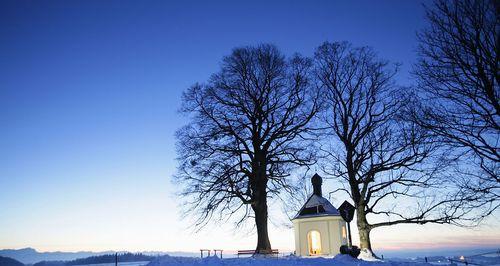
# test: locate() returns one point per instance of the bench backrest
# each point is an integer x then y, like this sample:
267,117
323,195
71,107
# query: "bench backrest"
273,251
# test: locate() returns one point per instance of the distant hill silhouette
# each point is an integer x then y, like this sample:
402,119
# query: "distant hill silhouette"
109,258
50,263
31,256
5,261
126,257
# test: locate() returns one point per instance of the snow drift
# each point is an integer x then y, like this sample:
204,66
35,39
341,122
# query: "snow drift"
339,260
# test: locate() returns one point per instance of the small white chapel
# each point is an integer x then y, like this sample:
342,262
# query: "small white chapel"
319,228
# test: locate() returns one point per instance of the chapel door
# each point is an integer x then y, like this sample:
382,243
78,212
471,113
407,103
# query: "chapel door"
314,243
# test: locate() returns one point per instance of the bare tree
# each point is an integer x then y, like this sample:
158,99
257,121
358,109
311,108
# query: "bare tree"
248,131
385,160
458,77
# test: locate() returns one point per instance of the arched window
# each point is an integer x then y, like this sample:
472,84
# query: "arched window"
314,242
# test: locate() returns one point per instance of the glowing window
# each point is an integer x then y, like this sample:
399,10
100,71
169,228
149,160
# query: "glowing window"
314,241
344,232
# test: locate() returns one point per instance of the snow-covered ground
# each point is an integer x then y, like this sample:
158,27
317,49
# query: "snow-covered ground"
339,260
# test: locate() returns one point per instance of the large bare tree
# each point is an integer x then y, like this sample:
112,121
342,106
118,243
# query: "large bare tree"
458,76
248,130
385,160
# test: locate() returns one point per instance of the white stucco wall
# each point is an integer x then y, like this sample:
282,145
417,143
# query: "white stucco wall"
330,229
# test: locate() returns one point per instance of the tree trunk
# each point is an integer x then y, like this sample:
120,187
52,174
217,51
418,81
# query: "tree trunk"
260,210
363,229
364,238
259,206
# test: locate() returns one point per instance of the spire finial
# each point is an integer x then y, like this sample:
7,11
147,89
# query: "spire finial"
316,181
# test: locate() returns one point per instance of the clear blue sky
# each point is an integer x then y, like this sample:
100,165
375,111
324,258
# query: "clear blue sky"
88,97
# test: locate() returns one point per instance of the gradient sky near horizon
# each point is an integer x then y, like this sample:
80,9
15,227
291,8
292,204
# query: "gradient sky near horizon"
89,92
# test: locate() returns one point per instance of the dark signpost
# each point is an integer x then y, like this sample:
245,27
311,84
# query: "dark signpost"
347,212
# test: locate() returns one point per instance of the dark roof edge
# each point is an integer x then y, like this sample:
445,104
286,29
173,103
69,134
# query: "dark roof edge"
315,215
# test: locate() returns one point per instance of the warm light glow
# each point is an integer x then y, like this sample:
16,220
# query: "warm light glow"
344,232
314,240
462,257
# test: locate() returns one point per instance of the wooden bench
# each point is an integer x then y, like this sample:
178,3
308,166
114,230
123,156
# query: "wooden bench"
253,252
207,251
218,250
203,251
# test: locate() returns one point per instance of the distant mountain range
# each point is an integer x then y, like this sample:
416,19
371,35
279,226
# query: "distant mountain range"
4,261
31,256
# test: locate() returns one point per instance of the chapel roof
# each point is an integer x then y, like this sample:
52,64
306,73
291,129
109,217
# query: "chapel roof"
316,205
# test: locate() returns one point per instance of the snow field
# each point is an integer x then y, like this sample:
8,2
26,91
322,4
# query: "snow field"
339,260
